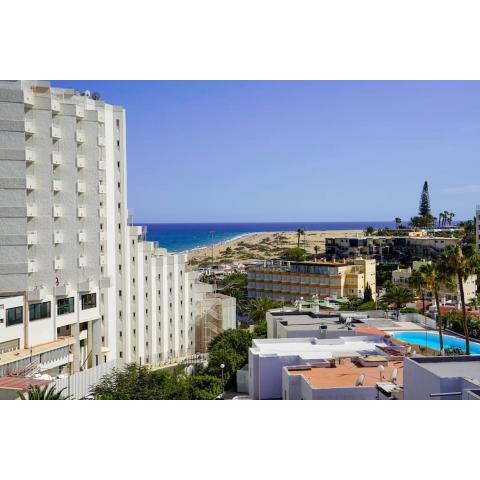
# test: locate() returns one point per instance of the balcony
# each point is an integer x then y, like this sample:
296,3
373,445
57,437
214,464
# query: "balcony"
82,260
32,266
80,161
56,186
29,127
56,132
101,141
58,263
62,290
32,238
79,112
81,211
57,237
102,213
37,294
56,159
29,155
57,211
101,165
30,183
82,236
31,211
80,137
28,98
55,106
101,188
81,187
100,116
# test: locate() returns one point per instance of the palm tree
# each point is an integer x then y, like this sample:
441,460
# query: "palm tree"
316,248
258,308
450,218
440,219
434,278
47,392
398,296
300,232
458,264
418,284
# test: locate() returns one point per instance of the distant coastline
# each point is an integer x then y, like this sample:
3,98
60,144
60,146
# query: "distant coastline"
187,237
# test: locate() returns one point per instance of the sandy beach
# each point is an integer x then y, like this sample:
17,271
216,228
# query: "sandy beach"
265,245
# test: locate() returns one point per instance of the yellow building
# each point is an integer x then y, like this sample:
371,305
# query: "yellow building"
401,277
288,281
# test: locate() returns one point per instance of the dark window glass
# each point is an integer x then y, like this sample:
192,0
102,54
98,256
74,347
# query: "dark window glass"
37,311
89,300
65,305
14,316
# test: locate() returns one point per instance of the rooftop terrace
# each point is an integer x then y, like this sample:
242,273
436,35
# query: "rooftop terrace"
346,374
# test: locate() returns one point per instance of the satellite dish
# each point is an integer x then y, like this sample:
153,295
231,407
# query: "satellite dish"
360,379
87,93
381,369
393,375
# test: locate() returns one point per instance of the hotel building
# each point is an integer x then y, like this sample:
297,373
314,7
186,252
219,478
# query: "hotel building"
387,248
79,286
288,281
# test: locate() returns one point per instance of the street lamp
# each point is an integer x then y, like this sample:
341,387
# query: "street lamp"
222,366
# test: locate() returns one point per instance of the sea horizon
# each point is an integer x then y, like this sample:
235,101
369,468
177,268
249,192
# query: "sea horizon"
183,237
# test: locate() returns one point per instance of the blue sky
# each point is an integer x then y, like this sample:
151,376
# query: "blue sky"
297,151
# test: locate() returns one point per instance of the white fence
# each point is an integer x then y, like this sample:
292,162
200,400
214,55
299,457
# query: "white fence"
420,319
79,384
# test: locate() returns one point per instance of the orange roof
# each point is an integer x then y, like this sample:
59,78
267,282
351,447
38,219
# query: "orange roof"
370,331
345,375
21,383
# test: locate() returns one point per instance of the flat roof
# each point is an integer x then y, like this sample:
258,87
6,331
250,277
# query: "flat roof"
310,348
21,383
455,366
346,374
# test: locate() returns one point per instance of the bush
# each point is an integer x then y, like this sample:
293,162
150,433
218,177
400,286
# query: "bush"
294,254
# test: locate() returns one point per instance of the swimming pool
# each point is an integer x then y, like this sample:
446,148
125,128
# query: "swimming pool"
432,340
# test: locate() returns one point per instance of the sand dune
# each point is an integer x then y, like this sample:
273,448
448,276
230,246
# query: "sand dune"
264,245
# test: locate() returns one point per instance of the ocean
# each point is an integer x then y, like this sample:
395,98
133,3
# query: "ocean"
180,237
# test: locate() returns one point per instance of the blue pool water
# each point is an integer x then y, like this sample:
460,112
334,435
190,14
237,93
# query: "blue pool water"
430,339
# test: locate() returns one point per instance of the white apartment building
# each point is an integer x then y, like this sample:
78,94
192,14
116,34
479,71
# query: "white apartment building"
79,286
62,215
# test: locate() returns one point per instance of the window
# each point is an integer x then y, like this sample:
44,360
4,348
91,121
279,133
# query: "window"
14,316
65,305
37,311
89,300
118,143
121,355
119,293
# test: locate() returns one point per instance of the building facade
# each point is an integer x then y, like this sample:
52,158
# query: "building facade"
62,189
401,277
79,285
288,281
387,248
477,228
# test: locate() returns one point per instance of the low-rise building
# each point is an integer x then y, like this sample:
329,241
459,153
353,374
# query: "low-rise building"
401,277
267,357
477,227
378,378
288,281
442,378
387,248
